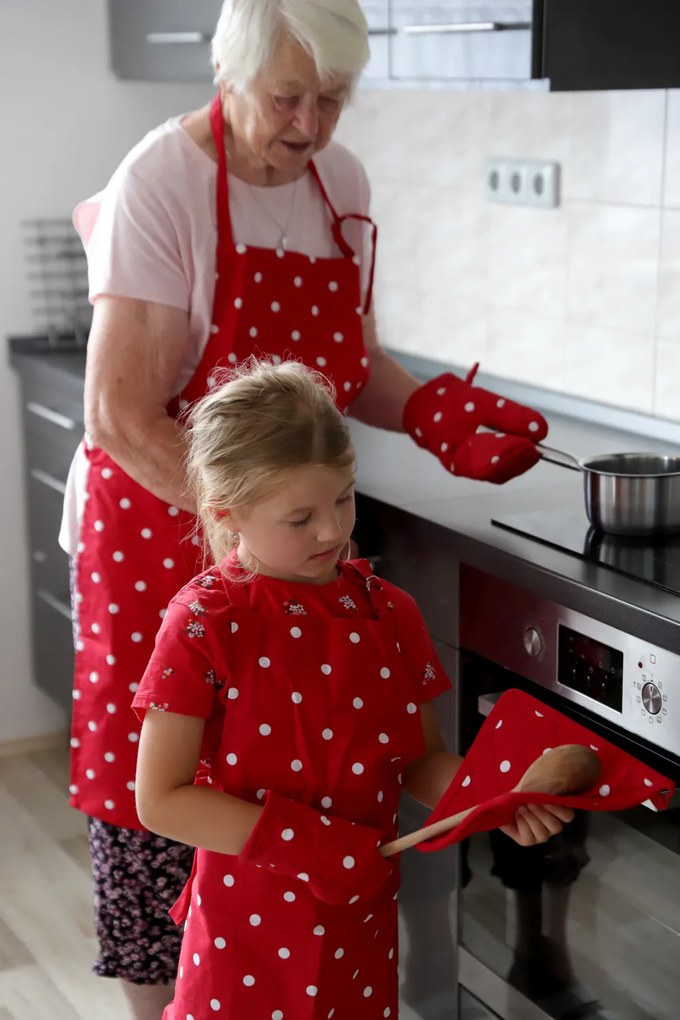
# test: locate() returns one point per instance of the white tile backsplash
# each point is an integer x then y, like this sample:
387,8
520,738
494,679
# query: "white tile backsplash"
584,298
529,125
613,264
451,246
528,276
525,347
610,366
668,313
616,147
667,390
671,195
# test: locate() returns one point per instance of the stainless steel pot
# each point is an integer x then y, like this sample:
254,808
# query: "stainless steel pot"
627,493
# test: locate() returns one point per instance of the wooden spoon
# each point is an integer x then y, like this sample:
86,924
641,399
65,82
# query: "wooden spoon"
567,769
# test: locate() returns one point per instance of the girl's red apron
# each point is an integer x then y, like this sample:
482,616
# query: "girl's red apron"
136,551
344,727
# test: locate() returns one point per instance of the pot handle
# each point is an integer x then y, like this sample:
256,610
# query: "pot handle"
559,457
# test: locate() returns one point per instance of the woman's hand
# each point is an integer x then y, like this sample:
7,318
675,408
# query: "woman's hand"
444,414
536,823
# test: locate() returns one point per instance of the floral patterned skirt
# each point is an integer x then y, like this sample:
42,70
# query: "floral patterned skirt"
137,878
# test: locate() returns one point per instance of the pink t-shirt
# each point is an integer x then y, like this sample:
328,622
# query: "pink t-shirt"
151,234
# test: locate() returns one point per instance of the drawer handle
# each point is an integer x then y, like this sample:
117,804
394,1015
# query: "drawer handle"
49,480
458,28
54,603
62,420
173,38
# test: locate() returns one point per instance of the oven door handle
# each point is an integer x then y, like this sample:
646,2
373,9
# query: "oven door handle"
485,703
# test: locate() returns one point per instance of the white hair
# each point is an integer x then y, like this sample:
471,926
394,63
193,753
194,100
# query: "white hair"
333,32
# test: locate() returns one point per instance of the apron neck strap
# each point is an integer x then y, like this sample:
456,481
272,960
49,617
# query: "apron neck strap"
338,237
225,233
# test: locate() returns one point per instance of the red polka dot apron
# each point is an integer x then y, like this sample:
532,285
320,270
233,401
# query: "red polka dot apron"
322,710
135,550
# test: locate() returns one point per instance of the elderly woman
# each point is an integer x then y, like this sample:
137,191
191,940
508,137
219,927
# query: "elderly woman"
238,229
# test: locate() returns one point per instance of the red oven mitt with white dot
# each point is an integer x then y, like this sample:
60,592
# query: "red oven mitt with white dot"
517,731
339,860
443,416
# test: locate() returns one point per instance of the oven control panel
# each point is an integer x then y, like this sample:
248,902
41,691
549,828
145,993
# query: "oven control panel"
623,679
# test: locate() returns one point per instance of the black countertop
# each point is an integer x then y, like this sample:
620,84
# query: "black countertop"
63,356
393,470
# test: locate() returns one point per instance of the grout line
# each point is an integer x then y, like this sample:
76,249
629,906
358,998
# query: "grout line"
659,255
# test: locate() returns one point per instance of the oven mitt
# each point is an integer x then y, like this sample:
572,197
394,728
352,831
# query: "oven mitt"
443,416
518,730
339,859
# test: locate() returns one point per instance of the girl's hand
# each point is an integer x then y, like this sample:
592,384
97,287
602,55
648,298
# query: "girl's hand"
536,823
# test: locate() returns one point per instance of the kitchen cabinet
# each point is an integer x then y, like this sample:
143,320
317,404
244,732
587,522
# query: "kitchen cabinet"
169,40
563,45
608,44
377,14
570,45
52,426
458,41
162,40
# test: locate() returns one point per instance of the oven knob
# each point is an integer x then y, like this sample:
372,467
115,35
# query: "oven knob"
533,642
651,698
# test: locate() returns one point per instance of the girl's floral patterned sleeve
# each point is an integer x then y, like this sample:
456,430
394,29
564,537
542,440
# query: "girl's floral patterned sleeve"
184,672
417,648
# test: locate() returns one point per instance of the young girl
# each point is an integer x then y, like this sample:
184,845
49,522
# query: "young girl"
286,703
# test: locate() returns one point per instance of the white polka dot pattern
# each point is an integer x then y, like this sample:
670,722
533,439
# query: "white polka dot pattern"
335,690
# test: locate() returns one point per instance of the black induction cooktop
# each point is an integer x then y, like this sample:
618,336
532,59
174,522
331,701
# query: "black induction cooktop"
567,528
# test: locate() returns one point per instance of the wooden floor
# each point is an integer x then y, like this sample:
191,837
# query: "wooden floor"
46,940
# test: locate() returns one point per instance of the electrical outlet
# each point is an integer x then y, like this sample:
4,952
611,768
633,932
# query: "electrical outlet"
532,182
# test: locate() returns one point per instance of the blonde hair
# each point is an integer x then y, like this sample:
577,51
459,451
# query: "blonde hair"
333,32
246,434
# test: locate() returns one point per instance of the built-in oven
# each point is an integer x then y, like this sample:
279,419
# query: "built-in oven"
586,927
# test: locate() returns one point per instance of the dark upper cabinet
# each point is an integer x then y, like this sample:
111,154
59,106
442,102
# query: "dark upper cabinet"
608,44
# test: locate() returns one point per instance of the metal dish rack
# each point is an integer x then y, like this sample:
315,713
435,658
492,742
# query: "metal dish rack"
57,281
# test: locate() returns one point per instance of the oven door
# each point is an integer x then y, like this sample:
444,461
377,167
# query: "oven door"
586,927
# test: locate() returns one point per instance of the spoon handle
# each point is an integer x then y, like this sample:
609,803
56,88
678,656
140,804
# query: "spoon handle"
418,835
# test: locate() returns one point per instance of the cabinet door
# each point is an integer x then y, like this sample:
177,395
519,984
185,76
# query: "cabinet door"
611,44
53,646
461,40
378,18
162,40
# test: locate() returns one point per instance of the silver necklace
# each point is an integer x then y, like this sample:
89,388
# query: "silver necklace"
281,244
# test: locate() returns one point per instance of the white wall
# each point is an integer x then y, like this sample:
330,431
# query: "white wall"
66,121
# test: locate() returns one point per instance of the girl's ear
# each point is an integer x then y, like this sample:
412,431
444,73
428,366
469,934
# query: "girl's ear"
224,517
